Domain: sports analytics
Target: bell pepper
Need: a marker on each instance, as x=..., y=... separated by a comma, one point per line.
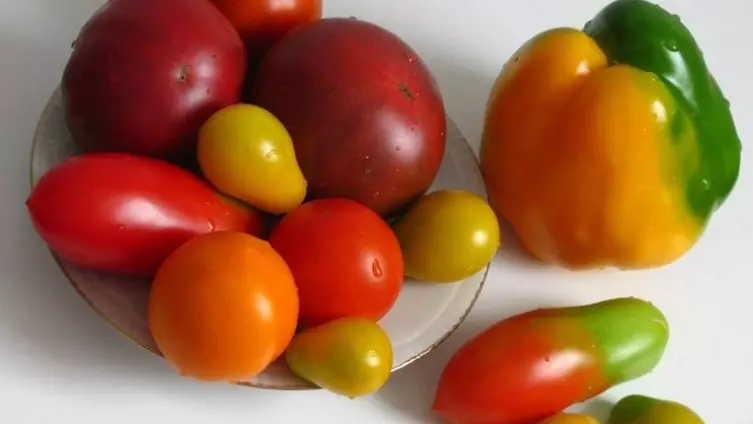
x=637, y=409
x=612, y=145
x=534, y=365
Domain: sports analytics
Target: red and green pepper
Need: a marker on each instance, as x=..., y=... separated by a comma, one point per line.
x=532, y=366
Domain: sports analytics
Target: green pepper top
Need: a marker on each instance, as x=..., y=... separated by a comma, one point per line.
x=643, y=35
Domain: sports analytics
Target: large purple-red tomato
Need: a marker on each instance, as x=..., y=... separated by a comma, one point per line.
x=364, y=112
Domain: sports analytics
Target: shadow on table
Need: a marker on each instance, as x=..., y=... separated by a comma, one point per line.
x=598, y=408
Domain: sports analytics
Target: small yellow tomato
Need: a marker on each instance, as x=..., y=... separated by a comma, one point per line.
x=246, y=152
x=447, y=236
x=570, y=419
x=349, y=356
x=640, y=409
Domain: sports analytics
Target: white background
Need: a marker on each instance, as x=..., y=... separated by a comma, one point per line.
x=59, y=362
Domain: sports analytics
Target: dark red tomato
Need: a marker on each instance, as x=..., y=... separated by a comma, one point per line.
x=124, y=213
x=261, y=23
x=345, y=259
x=363, y=110
x=145, y=74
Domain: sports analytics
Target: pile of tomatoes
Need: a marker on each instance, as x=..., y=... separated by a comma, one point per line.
x=266, y=233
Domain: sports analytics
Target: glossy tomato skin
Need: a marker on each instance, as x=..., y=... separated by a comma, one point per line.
x=345, y=259
x=534, y=365
x=144, y=75
x=447, y=236
x=261, y=23
x=640, y=409
x=349, y=356
x=124, y=213
x=364, y=112
x=223, y=307
x=242, y=149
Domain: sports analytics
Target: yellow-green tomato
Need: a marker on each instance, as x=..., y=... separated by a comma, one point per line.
x=639, y=409
x=246, y=153
x=447, y=236
x=570, y=419
x=349, y=356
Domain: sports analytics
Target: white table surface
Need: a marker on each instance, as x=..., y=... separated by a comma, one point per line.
x=60, y=363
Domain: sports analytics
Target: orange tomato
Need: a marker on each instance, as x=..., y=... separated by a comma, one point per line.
x=223, y=307
x=262, y=22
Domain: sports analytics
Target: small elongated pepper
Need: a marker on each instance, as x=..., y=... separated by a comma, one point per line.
x=534, y=365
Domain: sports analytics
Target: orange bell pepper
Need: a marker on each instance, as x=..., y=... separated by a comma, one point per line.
x=612, y=145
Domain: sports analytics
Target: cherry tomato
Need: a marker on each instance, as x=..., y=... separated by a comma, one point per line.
x=241, y=149
x=640, y=409
x=124, y=213
x=345, y=259
x=349, y=356
x=447, y=236
x=262, y=22
x=223, y=307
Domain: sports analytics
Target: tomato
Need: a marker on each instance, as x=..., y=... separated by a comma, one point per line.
x=346, y=260
x=242, y=148
x=364, y=111
x=262, y=22
x=124, y=213
x=349, y=356
x=639, y=409
x=570, y=419
x=144, y=75
x=223, y=307
x=448, y=236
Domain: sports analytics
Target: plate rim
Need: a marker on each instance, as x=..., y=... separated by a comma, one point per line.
x=46, y=111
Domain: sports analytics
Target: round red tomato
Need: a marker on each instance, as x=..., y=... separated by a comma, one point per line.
x=262, y=22
x=345, y=259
